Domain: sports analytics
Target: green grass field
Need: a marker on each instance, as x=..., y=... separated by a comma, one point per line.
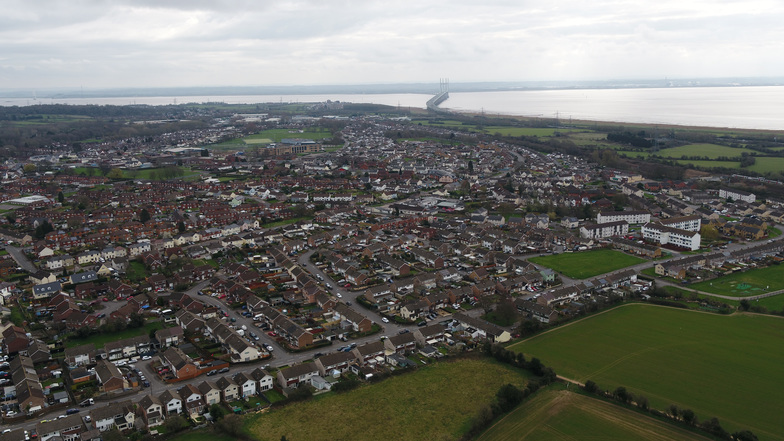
x=710, y=151
x=556, y=415
x=727, y=367
x=101, y=339
x=437, y=402
x=763, y=165
x=588, y=263
x=202, y=435
x=741, y=284
x=710, y=164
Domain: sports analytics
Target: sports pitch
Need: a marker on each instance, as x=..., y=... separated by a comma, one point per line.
x=727, y=367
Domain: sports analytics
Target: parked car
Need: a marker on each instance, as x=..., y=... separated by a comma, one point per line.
x=223, y=370
x=384, y=319
x=211, y=373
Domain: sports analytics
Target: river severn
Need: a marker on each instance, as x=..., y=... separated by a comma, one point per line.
x=747, y=107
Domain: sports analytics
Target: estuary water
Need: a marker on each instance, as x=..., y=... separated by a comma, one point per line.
x=748, y=107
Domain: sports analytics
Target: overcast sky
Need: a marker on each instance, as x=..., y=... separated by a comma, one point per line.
x=164, y=43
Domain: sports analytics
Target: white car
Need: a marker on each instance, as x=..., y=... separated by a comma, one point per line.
x=384, y=319
x=339, y=295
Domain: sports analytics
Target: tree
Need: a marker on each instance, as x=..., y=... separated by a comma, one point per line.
x=232, y=425
x=174, y=423
x=60, y=197
x=622, y=395
x=744, y=305
x=689, y=417
x=144, y=216
x=591, y=387
x=470, y=166
x=506, y=312
x=181, y=226
x=42, y=229
x=674, y=411
x=709, y=232
x=744, y=435
x=115, y=173
x=508, y=397
x=112, y=435
x=29, y=168
x=217, y=412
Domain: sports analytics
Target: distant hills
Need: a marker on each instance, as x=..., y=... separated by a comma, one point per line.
x=423, y=88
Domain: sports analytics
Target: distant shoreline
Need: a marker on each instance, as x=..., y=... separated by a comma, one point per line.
x=424, y=88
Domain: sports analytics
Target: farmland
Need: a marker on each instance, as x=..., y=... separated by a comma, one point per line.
x=423, y=405
x=708, y=151
x=562, y=415
x=742, y=284
x=587, y=264
x=717, y=366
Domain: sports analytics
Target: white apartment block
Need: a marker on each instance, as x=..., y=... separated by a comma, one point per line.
x=688, y=223
x=605, y=230
x=663, y=235
x=738, y=195
x=632, y=217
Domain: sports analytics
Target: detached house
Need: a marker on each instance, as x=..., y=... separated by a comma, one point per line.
x=246, y=384
x=210, y=393
x=152, y=410
x=171, y=402
x=192, y=398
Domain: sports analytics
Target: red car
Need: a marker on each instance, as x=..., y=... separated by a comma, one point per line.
x=105, y=299
x=272, y=334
